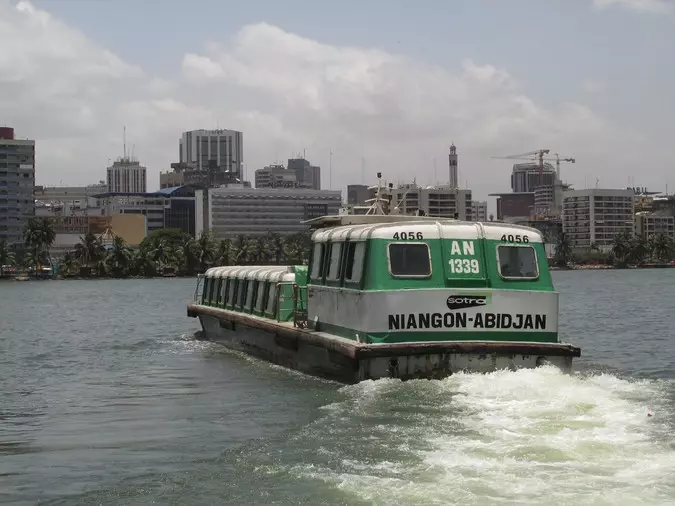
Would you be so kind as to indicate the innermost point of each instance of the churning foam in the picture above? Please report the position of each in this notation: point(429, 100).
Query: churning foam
point(526, 437)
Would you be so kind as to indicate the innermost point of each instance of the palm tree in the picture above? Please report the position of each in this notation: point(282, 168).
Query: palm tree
point(622, 248)
point(39, 235)
point(663, 247)
point(7, 257)
point(563, 250)
point(89, 252)
point(205, 250)
point(244, 250)
point(119, 257)
point(188, 255)
point(68, 263)
point(225, 252)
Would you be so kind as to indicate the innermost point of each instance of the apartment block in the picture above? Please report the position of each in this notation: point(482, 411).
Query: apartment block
point(17, 181)
point(597, 216)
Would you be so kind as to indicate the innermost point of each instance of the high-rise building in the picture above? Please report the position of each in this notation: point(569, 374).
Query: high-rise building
point(596, 216)
point(452, 165)
point(17, 181)
point(479, 210)
point(127, 175)
point(526, 177)
point(306, 173)
point(217, 150)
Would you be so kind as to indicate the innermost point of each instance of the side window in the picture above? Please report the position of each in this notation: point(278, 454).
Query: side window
point(218, 290)
point(205, 289)
point(242, 295)
point(317, 260)
point(271, 296)
point(354, 261)
point(334, 262)
point(409, 260)
point(517, 262)
point(226, 290)
point(252, 291)
point(232, 292)
point(235, 293)
point(262, 291)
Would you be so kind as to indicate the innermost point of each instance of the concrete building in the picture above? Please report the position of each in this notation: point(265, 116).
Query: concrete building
point(234, 210)
point(306, 174)
point(596, 216)
point(453, 167)
point(479, 210)
point(648, 224)
point(357, 194)
point(127, 175)
point(17, 180)
point(166, 208)
point(67, 200)
point(525, 176)
point(217, 150)
point(442, 201)
point(514, 206)
point(278, 176)
point(70, 230)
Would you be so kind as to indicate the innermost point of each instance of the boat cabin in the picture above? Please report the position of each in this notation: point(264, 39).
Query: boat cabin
point(263, 290)
point(429, 254)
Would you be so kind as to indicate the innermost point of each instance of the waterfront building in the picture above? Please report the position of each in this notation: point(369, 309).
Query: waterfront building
point(17, 180)
point(165, 208)
point(649, 224)
point(233, 210)
point(526, 177)
point(596, 216)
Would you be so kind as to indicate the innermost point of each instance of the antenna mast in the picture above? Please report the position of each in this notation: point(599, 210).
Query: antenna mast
point(124, 140)
point(330, 169)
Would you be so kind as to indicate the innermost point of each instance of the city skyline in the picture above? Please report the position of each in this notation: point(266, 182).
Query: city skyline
point(388, 95)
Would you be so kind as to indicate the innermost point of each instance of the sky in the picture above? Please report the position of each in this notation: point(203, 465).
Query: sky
point(383, 85)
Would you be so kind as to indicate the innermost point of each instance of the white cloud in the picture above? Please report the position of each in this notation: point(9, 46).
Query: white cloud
point(652, 6)
point(286, 93)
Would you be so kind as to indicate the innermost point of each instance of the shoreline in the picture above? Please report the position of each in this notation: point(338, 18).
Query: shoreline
point(600, 267)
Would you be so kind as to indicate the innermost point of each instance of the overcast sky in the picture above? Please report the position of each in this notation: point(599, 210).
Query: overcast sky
point(392, 82)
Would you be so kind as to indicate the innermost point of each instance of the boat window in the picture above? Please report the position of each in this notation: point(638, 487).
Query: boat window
point(270, 298)
point(235, 292)
point(226, 290)
point(252, 291)
point(231, 294)
point(205, 289)
point(212, 284)
point(242, 295)
point(317, 260)
point(218, 290)
point(354, 261)
point(334, 265)
point(517, 262)
point(262, 292)
point(409, 260)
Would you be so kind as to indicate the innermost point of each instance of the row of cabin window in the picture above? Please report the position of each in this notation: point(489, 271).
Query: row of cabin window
point(344, 261)
point(336, 261)
point(237, 290)
point(414, 260)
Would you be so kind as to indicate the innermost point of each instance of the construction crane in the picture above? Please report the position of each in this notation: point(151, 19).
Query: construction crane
point(533, 155)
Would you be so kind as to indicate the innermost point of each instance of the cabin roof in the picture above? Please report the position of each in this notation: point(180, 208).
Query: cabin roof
point(429, 229)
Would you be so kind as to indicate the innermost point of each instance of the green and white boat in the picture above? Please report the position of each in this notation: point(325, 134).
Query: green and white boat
point(393, 296)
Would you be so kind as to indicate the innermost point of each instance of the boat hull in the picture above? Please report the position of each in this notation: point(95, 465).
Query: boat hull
point(331, 357)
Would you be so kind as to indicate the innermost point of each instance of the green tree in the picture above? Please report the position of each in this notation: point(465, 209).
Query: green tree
point(7, 257)
point(563, 250)
point(38, 236)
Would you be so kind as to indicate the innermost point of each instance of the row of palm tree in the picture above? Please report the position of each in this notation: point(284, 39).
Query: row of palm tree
point(163, 251)
point(626, 250)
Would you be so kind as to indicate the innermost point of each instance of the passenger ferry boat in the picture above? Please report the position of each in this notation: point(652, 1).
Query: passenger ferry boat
point(393, 296)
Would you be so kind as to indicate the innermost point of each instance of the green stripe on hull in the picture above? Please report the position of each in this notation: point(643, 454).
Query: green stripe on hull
point(415, 337)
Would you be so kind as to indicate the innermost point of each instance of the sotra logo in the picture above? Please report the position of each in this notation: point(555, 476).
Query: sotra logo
point(464, 301)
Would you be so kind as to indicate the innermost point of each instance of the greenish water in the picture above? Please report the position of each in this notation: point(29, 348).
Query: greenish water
point(106, 398)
